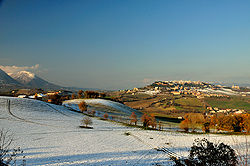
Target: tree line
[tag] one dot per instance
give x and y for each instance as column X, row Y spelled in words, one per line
column 220, row 121
column 88, row 94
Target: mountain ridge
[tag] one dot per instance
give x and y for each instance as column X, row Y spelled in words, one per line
column 7, row 82
column 24, row 79
column 6, row 79
column 31, row 80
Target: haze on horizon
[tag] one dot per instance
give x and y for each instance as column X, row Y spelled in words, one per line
column 115, row 44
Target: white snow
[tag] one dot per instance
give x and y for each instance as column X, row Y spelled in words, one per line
column 28, row 74
column 220, row 91
column 50, row 135
column 23, row 76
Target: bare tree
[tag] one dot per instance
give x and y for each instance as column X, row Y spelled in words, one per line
column 160, row 126
column 82, row 106
column 149, row 120
column 192, row 120
column 80, row 93
column 93, row 112
column 133, row 118
column 8, row 155
column 145, row 120
column 73, row 96
column 87, row 121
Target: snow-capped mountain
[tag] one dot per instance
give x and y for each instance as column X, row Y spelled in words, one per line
column 26, row 79
column 30, row 80
column 23, row 77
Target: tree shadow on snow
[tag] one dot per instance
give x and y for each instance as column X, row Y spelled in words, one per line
column 139, row 157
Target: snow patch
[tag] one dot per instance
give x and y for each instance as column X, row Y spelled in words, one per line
column 23, row 76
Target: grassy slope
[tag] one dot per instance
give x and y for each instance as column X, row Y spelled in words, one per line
column 232, row 102
column 188, row 101
column 157, row 105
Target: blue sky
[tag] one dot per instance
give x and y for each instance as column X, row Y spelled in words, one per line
column 112, row 44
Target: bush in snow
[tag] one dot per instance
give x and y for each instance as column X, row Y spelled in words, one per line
column 205, row 153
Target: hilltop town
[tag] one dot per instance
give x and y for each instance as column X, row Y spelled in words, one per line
column 175, row 98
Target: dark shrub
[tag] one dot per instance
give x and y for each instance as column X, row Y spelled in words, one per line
column 205, row 153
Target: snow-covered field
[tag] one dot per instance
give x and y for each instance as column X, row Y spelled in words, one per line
column 50, row 135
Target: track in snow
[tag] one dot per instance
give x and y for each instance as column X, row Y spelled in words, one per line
column 30, row 121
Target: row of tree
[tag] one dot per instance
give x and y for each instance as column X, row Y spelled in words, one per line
column 148, row 120
column 84, row 108
column 220, row 121
column 88, row 94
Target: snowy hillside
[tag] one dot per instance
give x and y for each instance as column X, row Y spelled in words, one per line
column 115, row 105
column 50, row 135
